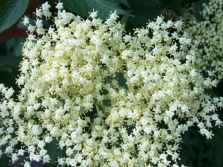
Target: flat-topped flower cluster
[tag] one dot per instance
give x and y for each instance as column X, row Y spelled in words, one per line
column 71, row 69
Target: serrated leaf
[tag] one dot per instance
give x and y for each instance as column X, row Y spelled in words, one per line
column 84, row 7
column 10, row 61
column 11, row 11
column 173, row 4
column 142, row 14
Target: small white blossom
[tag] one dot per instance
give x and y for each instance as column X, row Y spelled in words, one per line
column 59, row 6
column 25, row 21
column 101, row 94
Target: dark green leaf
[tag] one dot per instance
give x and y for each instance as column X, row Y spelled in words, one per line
column 11, row 11
column 142, row 14
column 4, row 160
column 119, row 77
column 125, row 18
column 74, row 154
column 130, row 129
column 7, row 75
column 106, row 102
column 108, row 79
column 202, row 152
column 173, row 4
column 84, row 7
column 14, row 47
column 123, row 2
column 198, row 8
column 10, row 61
column 121, row 80
column 186, row 137
column 92, row 114
column 54, row 152
column 146, row 2
column 190, row 1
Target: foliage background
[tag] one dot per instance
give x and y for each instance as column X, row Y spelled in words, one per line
column 196, row 150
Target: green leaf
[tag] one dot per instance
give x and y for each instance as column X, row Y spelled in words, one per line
column 121, row 80
column 84, row 7
column 4, row 161
column 7, row 77
column 9, row 71
column 14, row 46
column 198, row 8
column 54, row 152
column 142, row 13
column 123, row 2
column 124, row 18
column 146, row 2
column 106, row 102
column 10, row 61
column 173, row 4
column 190, row 1
column 129, row 128
column 11, row 11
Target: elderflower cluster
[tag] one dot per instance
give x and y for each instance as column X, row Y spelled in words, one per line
column 208, row 33
column 69, row 71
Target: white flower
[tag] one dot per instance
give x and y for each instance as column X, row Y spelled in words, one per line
column 184, row 108
column 76, row 65
column 25, row 21
column 93, row 14
column 59, row 6
column 39, row 13
column 27, row 164
column 9, row 150
column 9, row 93
column 46, row 159
column 14, row 158
column 21, row 152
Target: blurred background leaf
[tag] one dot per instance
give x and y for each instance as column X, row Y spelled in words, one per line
column 54, row 152
column 146, row 2
column 11, row 11
column 84, row 7
column 10, row 57
column 197, row 151
column 198, row 8
column 173, row 4
column 10, row 61
column 120, row 2
column 4, row 160
column 141, row 12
